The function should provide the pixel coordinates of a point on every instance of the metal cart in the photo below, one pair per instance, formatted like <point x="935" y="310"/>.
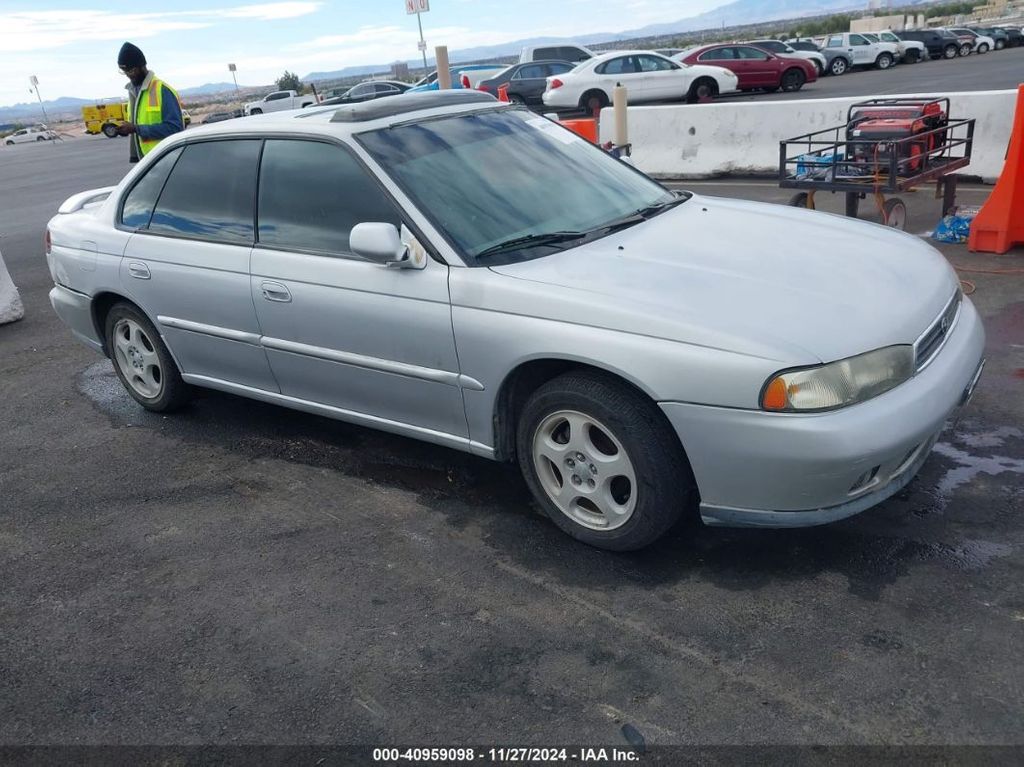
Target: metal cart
<point x="831" y="160"/>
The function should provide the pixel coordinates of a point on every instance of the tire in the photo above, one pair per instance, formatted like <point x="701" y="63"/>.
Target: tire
<point x="255" y="111"/>
<point x="950" y="52"/>
<point x="515" y="98"/>
<point x="614" y="429"/>
<point x="839" y="66"/>
<point x="965" y="49"/>
<point x="799" y="200"/>
<point x="142" y="361"/>
<point x="884" y="61"/>
<point x="913" y="56"/>
<point x="40" y="138"/>
<point x="793" y="80"/>
<point x="110" y="130"/>
<point x="703" y="88"/>
<point x="9" y="143"/>
<point x="1000" y="44"/>
<point x="592" y="101"/>
<point x="983" y="48"/>
<point x="894" y="214"/>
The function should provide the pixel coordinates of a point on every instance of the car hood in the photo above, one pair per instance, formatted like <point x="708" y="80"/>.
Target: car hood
<point x="752" y="278"/>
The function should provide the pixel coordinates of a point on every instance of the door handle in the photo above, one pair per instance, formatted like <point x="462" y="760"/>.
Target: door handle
<point x="138" y="271"/>
<point x="275" y="291"/>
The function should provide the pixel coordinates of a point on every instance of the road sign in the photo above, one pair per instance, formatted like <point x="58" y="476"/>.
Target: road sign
<point x="231" y="68"/>
<point x="422" y="45"/>
<point x="34" y="80"/>
<point x="417" y="6"/>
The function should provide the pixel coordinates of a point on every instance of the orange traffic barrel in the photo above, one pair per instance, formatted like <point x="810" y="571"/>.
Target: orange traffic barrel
<point x="503" y="93"/>
<point x="587" y="128"/>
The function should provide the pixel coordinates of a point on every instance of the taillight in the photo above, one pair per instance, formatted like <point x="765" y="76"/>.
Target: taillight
<point x="465" y="81"/>
<point x="47" y="242"/>
<point x="555" y="83"/>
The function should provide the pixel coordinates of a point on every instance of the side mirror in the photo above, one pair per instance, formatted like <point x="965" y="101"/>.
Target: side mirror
<point x="382" y="244"/>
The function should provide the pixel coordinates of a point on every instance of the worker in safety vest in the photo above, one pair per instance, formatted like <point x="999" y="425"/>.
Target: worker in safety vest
<point x="154" y="112"/>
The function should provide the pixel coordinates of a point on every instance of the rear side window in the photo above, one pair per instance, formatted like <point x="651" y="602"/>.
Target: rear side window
<point x="558" y="69"/>
<point x="312" y="194"/>
<point x="532" y="72"/>
<point x="210" y="192"/>
<point x="546" y="53"/>
<point x="571" y="54"/>
<point x="138" y="205"/>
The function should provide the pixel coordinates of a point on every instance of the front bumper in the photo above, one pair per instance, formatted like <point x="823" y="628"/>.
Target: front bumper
<point x="75" y="310"/>
<point x="761" y="469"/>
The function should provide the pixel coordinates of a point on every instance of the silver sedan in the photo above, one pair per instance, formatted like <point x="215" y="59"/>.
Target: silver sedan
<point x="468" y="273"/>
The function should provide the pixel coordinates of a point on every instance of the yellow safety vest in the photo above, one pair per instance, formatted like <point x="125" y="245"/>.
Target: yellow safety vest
<point x="149" y="111"/>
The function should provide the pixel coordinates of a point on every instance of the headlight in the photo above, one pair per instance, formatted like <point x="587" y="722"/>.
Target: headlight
<point x="841" y="383"/>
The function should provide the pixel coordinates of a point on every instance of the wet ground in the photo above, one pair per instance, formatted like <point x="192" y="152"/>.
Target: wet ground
<point x="241" y="573"/>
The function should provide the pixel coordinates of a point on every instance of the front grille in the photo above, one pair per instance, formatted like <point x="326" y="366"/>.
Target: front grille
<point x="931" y="341"/>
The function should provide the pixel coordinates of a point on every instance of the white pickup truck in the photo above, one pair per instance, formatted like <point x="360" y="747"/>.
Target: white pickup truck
<point x="862" y="51"/>
<point x="279" y="101"/>
<point x="911" y="51"/>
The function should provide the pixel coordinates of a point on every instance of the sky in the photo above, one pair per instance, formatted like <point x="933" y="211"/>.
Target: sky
<point x="72" y="46"/>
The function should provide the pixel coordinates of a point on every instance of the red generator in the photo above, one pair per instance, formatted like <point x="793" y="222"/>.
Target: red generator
<point x="912" y="129"/>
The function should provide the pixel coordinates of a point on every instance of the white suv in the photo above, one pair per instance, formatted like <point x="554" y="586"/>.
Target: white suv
<point x="36" y="133"/>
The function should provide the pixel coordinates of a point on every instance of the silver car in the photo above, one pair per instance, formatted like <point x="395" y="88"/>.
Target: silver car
<point x="465" y="272"/>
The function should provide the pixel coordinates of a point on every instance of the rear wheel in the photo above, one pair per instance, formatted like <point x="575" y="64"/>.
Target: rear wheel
<point x="255" y="111"/>
<point x="110" y="130"/>
<point x="839" y="66"/>
<point x="593" y="101"/>
<point x="602" y="461"/>
<point x="965" y="49"/>
<point x="1000" y="44"/>
<point x="983" y="48"/>
<point x="884" y="60"/>
<point x="515" y="98"/>
<point x="142" y="361"/>
<point x="702" y="90"/>
<point x="793" y="80"/>
<point x="949" y="52"/>
<point x="40" y="138"/>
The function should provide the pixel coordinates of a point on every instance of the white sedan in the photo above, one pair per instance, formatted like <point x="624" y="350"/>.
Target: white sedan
<point x="647" y="76"/>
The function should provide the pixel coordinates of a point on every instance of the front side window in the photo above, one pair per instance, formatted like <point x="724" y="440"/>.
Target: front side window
<point x="138" y="205"/>
<point x="488" y="179"/>
<point x="857" y="40"/>
<point x="654" y="64"/>
<point x="210" y="192"/>
<point x="312" y="194"/>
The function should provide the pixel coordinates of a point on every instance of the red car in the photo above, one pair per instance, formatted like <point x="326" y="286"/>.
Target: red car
<point x="755" y="68"/>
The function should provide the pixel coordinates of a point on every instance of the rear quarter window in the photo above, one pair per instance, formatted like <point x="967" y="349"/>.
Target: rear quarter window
<point x="140" y="201"/>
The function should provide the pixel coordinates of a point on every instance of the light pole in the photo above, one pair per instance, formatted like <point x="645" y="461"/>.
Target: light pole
<point x="35" y="86"/>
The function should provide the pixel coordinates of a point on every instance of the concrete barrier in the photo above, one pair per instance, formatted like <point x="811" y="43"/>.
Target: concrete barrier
<point x="10" y="302"/>
<point x="708" y="140"/>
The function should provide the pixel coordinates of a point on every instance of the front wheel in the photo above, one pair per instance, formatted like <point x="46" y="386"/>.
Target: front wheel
<point x="983" y="48"/>
<point x="793" y="80"/>
<point x="40" y="138"/>
<point x="110" y="130"/>
<point x="255" y="111"/>
<point x="884" y="60"/>
<point x="9" y="143"/>
<point x="142" y="361"/>
<point x="1000" y="44"/>
<point x="602" y="461"/>
<point x="839" y="66"/>
<point x="949" y="52"/>
<point x="703" y="89"/>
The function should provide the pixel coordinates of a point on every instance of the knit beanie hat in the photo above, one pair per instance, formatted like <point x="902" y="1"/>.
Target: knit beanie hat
<point x="130" y="56"/>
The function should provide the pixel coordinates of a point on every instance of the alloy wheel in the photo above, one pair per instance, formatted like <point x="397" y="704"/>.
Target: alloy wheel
<point x="137" y="359"/>
<point x="585" y="470"/>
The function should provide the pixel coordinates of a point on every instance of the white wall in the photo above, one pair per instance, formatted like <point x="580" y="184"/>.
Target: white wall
<point x="708" y="140"/>
<point x="10" y="302"/>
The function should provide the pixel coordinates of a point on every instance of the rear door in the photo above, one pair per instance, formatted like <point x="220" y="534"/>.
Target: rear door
<point x="340" y="331"/>
<point x="187" y="264"/>
<point x="727" y="57"/>
<point x="529" y="82"/>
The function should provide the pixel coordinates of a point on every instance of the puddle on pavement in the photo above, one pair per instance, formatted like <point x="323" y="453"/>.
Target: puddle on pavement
<point x="870" y="550"/>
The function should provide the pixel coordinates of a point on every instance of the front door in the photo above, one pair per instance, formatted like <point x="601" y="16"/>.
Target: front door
<point x="340" y="331"/>
<point x="187" y="264"/>
<point x="862" y="50"/>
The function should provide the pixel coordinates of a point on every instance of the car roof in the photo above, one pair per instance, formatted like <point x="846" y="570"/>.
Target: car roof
<point x="612" y="54"/>
<point x="350" y="119"/>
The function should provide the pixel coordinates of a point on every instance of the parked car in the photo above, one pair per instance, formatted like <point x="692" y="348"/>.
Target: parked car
<point x="837" y="62"/>
<point x="471" y="78"/>
<point x="216" y="117"/>
<point x="979" y="43"/>
<point x="526" y="82"/>
<point x="939" y="43"/>
<point x="25" y="135"/>
<point x="784" y="50"/>
<point x="634" y="381"/>
<point x="368" y="91"/>
<point x="563" y="52"/>
<point x="998" y="35"/>
<point x="429" y="83"/>
<point x="278" y="101"/>
<point x="910" y="51"/>
<point x="862" y="51"/>
<point x="646" y="75"/>
<point x="1014" y="38"/>
<point x="755" y="68"/>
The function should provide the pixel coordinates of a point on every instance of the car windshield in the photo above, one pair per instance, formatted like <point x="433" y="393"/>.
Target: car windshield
<point x="509" y="186"/>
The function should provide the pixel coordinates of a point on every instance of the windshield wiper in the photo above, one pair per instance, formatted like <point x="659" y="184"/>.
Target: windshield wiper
<point x="641" y="215"/>
<point x="529" y="241"/>
<point x="660" y="207"/>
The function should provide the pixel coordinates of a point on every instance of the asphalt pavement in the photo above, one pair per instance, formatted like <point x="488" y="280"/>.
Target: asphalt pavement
<point x="242" y="573"/>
